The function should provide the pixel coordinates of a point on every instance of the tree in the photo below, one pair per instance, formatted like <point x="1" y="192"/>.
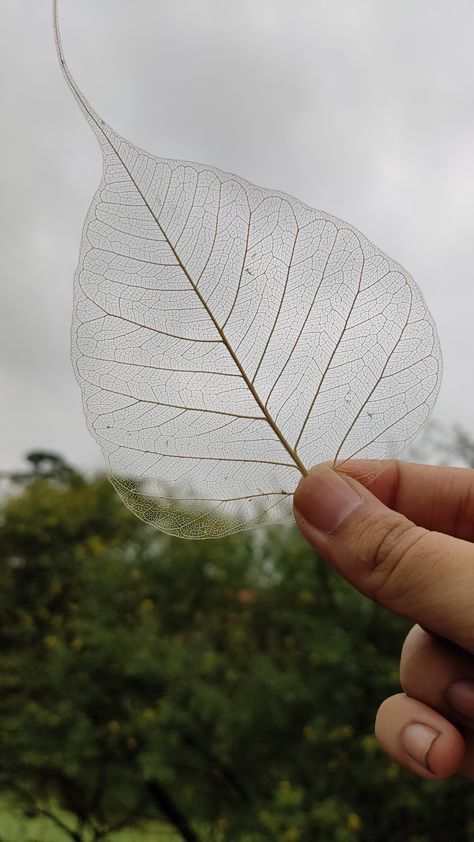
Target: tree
<point x="47" y="465"/>
<point x="225" y="687"/>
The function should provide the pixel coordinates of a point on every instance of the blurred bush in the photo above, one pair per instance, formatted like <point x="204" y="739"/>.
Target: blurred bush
<point x="228" y="687"/>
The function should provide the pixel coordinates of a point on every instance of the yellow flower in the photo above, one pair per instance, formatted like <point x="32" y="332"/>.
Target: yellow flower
<point x="131" y="743"/>
<point x="310" y="734"/>
<point x="95" y="545"/>
<point x="354" y="822"/>
<point x="209" y="658"/>
<point x="393" y="771"/>
<point x="146" y="606"/>
<point x="369" y="743"/>
<point x="268" y="821"/>
<point x="113" y="726"/>
<point x="149" y="714"/>
<point x="341" y="733"/>
<point x="51" y="641"/>
<point x="222" y="823"/>
<point x="284" y="786"/>
<point x="231" y="676"/>
<point x="77" y="644"/>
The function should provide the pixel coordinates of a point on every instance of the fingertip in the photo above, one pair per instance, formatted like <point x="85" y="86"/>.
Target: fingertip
<point x="447" y="753"/>
<point x="419" y="738"/>
<point x="325" y="499"/>
<point x="307" y="481"/>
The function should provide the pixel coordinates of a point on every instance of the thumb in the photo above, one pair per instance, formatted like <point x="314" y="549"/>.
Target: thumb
<point x="425" y="576"/>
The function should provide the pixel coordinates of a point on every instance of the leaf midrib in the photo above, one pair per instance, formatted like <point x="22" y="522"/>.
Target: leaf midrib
<point x="290" y="450"/>
<point x="100" y="127"/>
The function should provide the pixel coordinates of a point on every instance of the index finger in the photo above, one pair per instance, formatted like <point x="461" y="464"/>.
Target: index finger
<point x="434" y="497"/>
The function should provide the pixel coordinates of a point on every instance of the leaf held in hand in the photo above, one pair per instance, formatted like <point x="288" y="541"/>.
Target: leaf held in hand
<point x="227" y="337"/>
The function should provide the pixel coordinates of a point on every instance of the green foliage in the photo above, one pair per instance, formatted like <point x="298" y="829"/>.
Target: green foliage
<point x="225" y="687"/>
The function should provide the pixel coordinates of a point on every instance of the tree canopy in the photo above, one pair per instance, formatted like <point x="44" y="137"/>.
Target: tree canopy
<point x="226" y="688"/>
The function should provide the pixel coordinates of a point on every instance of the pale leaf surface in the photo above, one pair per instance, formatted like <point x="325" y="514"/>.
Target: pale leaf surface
<point x="228" y="337"/>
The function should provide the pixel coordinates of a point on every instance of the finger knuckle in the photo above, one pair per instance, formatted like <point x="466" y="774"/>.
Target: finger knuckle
<point x="395" y="542"/>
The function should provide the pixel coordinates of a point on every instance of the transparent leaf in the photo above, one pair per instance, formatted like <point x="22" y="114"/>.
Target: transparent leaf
<point x="227" y="337"/>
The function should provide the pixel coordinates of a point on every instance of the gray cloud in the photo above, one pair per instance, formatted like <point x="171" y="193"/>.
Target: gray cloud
<point x="363" y="108"/>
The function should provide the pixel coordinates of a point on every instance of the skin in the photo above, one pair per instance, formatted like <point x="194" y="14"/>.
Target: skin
<point x="406" y="540"/>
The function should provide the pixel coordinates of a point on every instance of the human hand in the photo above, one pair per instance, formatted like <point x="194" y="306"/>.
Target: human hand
<point x="382" y="541"/>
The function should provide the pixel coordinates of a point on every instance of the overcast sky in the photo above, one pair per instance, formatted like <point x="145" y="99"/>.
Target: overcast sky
<point x="361" y="108"/>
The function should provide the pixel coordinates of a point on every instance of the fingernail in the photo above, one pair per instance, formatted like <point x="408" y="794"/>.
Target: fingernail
<point x="460" y="695"/>
<point x="325" y="499"/>
<point x="418" y="741"/>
